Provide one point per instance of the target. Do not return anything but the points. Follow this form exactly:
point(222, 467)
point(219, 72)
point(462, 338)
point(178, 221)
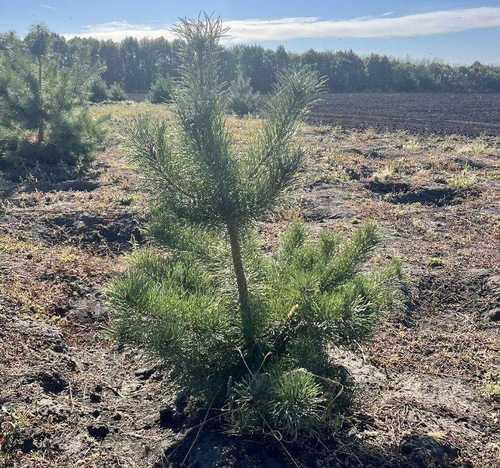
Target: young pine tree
point(161, 91)
point(37, 42)
point(240, 329)
point(242, 98)
point(41, 104)
point(117, 93)
point(98, 91)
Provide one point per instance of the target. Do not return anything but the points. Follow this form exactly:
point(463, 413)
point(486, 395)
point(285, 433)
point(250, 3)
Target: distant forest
point(136, 64)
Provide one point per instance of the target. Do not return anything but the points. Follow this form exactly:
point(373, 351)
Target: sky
point(458, 31)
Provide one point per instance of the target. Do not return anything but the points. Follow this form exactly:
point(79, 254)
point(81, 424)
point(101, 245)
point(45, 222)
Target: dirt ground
point(428, 384)
point(444, 113)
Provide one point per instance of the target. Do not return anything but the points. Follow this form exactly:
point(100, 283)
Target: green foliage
point(137, 64)
point(99, 91)
point(37, 40)
point(116, 92)
point(308, 296)
point(242, 99)
point(491, 387)
point(13, 432)
point(41, 107)
point(67, 152)
point(161, 91)
point(194, 168)
point(189, 301)
point(175, 309)
point(291, 402)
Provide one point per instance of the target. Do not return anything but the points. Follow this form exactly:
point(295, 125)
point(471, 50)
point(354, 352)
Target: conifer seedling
point(247, 332)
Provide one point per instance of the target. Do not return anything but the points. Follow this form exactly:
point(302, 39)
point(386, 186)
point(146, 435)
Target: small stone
point(478, 272)
point(145, 373)
point(493, 282)
point(74, 364)
point(150, 421)
point(494, 314)
point(45, 402)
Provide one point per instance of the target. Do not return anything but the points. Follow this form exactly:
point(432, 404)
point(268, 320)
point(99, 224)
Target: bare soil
point(427, 384)
point(445, 113)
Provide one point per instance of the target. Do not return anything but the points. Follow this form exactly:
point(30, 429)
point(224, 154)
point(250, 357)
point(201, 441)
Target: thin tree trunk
point(241, 281)
point(41, 123)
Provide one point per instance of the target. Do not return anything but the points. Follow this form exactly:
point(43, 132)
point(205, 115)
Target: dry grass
point(464, 180)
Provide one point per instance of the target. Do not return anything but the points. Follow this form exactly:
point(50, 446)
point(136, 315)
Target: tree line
point(136, 64)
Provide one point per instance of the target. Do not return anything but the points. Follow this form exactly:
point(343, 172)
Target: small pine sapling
point(161, 91)
point(99, 91)
point(247, 332)
point(243, 99)
point(117, 93)
point(42, 107)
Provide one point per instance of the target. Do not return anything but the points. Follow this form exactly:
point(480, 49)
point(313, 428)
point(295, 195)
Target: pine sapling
point(239, 329)
point(42, 107)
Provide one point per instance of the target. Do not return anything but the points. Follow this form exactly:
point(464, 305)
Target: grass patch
point(464, 180)
point(477, 148)
point(436, 262)
point(491, 387)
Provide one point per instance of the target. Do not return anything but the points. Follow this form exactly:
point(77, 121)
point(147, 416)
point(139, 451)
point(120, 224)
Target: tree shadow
point(212, 448)
point(113, 232)
point(47, 178)
point(7, 188)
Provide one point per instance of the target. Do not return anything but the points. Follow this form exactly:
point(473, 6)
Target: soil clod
point(98, 432)
point(214, 449)
point(434, 195)
point(170, 418)
point(494, 314)
point(378, 186)
point(52, 382)
point(427, 450)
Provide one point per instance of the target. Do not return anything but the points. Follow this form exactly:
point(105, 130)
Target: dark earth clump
point(214, 449)
point(434, 195)
point(426, 451)
point(52, 383)
point(378, 186)
point(98, 432)
point(115, 233)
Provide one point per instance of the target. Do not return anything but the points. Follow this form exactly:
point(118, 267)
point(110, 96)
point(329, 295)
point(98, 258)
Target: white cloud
point(118, 30)
point(48, 7)
point(256, 30)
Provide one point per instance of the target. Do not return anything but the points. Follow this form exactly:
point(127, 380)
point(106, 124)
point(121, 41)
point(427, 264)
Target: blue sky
point(458, 31)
